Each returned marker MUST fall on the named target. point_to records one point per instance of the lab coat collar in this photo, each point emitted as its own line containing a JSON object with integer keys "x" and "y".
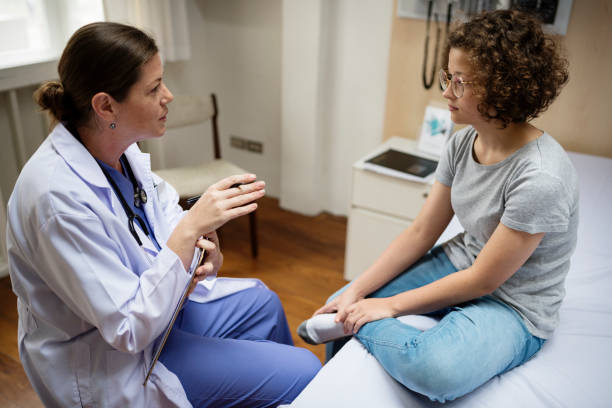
{"x": 77, "y": 157}
{"x": 84, "y": 164}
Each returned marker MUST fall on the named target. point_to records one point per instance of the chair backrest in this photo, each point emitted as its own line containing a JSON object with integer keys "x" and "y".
{"x": 187, "y": 110}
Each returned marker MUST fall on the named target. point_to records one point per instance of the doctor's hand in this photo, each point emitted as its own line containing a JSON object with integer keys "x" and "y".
{"x": 213, "y": 259}
{"x": 223, "y": 201}
{"x": 220, "y": 203}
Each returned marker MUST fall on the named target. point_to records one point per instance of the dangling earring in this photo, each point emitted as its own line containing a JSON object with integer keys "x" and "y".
{"x": 113, "y": 125}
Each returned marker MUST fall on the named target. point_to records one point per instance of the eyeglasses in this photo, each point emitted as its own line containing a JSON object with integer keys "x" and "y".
{"x": 457, "y": 84}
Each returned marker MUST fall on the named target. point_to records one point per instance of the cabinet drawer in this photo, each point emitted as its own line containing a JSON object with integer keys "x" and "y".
{"x": 368, "y": 235}
{"x": 390, "y": 195}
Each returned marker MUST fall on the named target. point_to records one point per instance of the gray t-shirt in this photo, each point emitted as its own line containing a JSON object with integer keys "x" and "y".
{"x": 533, "y": 190}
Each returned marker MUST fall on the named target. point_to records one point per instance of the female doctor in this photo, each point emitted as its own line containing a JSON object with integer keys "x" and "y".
{"x": 100, "y": 253}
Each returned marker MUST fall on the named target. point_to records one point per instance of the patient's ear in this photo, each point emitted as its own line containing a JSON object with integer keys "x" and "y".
{"x": 492, "y": 112}
{"x": 104, "y": 106}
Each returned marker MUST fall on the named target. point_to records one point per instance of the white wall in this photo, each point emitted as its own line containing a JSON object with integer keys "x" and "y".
{"x": 236, "y": 54}
{"x": 306, "y": 78}
{"x": 359, "y": 39}
{"x": 304, "y": 63}
{"x": 335, "y": 55}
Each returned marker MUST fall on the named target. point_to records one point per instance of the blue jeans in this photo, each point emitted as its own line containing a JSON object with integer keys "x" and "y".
{"x": 238, "y": 351}
{"x": 472, "y": 343}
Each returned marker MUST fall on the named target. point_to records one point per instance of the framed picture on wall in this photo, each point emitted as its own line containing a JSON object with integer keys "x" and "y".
{"x": 435, "y": 130}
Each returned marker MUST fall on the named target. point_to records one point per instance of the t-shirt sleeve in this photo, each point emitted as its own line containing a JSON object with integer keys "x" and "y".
{"x": 537, "y": 202}
{"x": 445, "y": 172}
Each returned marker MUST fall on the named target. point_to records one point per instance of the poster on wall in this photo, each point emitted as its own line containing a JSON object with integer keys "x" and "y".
{"x": 435, "y": 130}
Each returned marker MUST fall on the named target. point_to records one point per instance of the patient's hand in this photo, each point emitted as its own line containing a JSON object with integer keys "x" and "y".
{"x": 340, "y": 304}
{"x": 366, "y": 310}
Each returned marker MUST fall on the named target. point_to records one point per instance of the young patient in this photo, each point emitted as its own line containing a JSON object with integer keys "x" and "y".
{"x": 496, "y": 287}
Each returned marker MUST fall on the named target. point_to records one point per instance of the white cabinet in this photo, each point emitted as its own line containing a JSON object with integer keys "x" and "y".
{"x": 382, "y": 207}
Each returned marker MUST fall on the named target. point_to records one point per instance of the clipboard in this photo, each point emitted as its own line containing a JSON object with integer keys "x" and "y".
{"x": 178, "y": 308}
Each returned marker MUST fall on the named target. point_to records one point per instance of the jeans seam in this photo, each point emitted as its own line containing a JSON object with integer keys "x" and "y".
{"x": 377, "y": 342}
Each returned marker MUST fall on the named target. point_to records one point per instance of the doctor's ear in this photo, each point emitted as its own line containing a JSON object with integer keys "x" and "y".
{"x": 104, "y": 106}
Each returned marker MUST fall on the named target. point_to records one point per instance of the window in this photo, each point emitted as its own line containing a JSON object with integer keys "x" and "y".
{"x": 33, "y": 31}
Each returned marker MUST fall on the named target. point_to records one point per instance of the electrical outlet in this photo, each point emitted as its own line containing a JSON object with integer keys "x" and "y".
{"x": 238, "y": 142}
{"x": 245, "y": 144}
{"x": 255, "y": 147}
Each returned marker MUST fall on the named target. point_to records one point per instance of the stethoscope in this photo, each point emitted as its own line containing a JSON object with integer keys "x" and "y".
{"x": 140, "y": 198}
{"x": 427, "y": 83}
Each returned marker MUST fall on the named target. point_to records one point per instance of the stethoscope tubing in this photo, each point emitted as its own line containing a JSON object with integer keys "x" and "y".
{"x": 126, "y": 207}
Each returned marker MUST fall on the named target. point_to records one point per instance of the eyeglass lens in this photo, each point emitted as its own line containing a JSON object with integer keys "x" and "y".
{"x": 456, "y": 85}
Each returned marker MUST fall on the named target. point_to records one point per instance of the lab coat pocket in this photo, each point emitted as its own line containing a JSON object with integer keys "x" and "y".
{"x": 27, "y": 322}
{"x": 81, "y": 368}
{"x": 161, "y": 187}
{"x": 124, "y": 377}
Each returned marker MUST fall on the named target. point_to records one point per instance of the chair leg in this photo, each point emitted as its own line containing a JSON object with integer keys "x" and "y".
{"x": 253, "y": 228}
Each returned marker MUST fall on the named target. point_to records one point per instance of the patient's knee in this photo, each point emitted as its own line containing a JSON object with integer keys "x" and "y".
{"x": 438, "y": 378}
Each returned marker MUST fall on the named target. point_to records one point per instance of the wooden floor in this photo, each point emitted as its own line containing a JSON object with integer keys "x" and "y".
{"x": 300, "y": 258}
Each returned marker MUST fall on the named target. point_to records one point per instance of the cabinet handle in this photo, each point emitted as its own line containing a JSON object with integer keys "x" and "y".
{"x": 425, "y": 195}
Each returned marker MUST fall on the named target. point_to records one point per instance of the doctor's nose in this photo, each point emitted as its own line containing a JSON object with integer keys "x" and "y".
{"x": 168, "y": 97}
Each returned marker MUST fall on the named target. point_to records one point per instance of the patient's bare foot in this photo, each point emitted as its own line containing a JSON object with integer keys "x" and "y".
{"x": 320, "y": 329}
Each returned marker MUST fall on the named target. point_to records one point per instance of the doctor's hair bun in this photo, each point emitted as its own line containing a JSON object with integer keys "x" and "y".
{"x": 50, "y": 97}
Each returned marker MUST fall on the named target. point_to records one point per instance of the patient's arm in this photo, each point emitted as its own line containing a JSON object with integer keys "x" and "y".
{"x": 406, "y": 249}
{"x": 501, "y": 257}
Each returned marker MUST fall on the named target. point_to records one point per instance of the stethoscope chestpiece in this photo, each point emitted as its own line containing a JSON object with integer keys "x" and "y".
{"x": 140, "y": 196}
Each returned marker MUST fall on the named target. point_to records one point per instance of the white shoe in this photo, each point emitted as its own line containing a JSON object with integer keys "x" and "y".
{"x": 321, "y": 328}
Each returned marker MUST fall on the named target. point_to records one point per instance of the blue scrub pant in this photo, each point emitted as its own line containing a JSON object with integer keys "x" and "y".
{"x": 237, "y": 351}
{"x": 472, "y": 343}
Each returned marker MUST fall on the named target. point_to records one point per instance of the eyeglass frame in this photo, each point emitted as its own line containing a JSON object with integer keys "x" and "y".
{"x": 454, "y": 88}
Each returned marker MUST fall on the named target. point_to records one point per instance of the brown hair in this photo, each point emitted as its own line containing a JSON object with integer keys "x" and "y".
{"x": 99, "y": 57}
{"x": 518, "y": 69}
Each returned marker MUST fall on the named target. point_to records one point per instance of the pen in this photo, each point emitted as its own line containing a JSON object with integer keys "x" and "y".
{"x": 192, "y": 200}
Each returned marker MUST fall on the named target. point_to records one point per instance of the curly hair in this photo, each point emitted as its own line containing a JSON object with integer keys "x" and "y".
{"x": 518, "y": 69}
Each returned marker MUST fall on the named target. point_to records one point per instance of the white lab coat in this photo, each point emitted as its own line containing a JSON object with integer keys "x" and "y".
{"x": 90, "y": 302}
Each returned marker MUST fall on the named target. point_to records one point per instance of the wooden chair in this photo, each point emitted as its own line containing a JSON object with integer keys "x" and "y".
{"x": 190, "y": 181}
